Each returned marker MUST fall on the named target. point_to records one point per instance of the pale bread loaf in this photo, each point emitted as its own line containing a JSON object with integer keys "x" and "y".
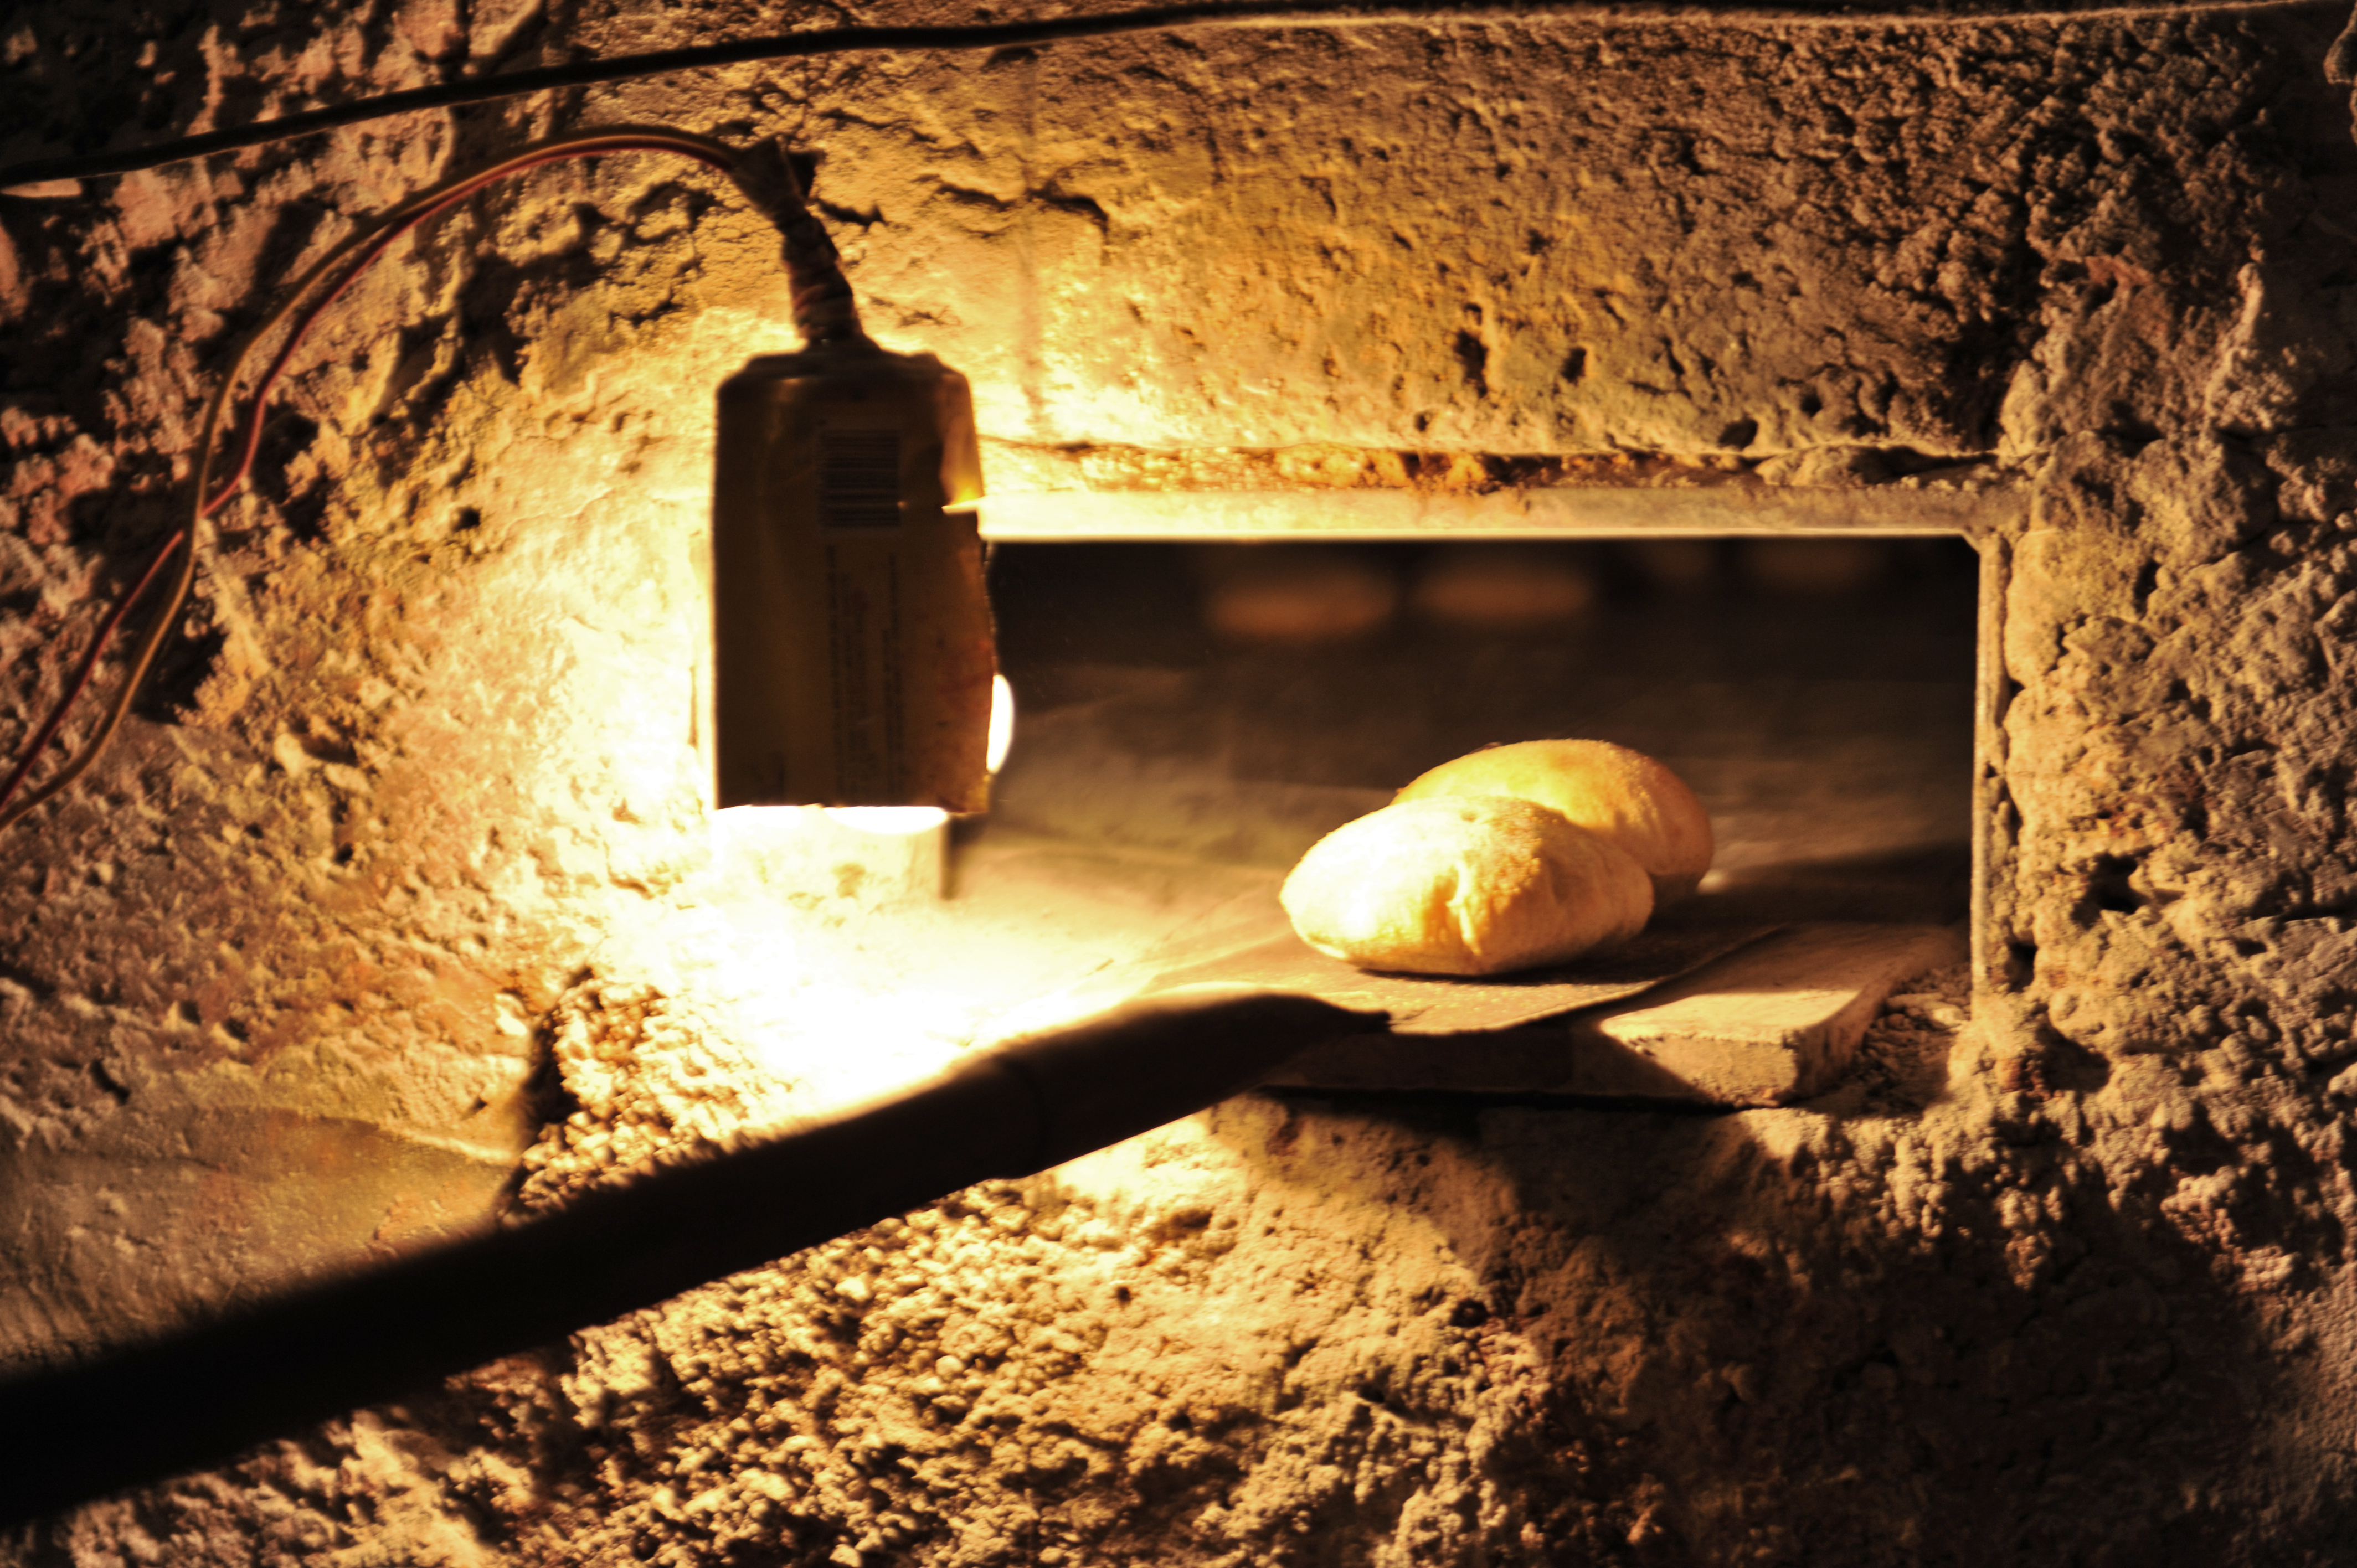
{"x": 1474, "y": 885}
{"x": 1623, "y": 795}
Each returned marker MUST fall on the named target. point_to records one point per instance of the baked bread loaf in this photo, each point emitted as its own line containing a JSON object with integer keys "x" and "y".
{"x": 1468, "y": 884}
{"x": 1623, "y": 795}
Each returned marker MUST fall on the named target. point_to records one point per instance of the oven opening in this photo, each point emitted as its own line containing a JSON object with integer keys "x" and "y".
{"x": 1193, "y": 711}
{"x": 1235, "y": 702}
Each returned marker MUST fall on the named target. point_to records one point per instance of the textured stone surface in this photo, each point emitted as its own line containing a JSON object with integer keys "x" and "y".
{"x": 419, "y": 795}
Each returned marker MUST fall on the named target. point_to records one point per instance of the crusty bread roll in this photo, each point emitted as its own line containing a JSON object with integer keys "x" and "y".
{"x": 1624, "y": 795}
{"x": 1472, "y": 885}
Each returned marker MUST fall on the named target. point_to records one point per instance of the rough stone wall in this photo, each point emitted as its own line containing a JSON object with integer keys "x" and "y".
{"x": 2063, "y": 1285}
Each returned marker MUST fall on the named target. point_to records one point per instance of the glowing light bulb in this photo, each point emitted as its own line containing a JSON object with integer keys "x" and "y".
{"x": 1002, "y": 723}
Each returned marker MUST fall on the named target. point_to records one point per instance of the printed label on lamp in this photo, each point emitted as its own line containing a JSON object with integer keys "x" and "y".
{"x": 858, "y": 478}
{"x": 864, "y": 663}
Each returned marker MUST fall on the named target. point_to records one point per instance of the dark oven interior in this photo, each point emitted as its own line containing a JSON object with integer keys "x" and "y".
{"x": 1232, "y": 702}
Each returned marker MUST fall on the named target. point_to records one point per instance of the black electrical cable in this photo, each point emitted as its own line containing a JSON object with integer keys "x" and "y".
{"x": 957, "y": 36}
{"x": 775, "y": 47}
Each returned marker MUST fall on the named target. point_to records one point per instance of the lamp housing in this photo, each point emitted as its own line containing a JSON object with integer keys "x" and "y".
{"x": 852, "y": 640}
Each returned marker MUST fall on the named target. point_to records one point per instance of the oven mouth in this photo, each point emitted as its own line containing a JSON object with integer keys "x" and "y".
{"x": 1231, "y": 702}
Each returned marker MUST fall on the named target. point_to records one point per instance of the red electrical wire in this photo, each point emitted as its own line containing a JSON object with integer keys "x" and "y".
{"x": 106, "y": 631}
{"x": 401, "y": 222}
{"x": 347, "y": 263}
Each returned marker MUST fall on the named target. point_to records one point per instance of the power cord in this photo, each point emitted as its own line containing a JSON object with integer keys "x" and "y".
{"x": 861, "y": 38}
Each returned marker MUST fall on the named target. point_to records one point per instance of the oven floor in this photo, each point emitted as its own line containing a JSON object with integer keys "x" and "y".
{"x": 1710, "y": 1007}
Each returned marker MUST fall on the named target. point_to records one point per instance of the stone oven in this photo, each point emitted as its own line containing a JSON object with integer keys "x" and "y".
{"x": 397, "y": 912}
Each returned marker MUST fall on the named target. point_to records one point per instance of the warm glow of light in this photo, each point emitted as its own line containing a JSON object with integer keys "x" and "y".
{"x": 742, "y": 830}
{"x": 1002, "y": 722}
{"x": 748, "y": 827}
{"x": 889, "y": 819}
{"x": 864, "y": 854}
{"x": 822, "y": 934}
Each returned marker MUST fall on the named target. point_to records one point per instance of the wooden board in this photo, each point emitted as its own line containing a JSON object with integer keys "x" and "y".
{"x": 1775, "y": 1022}
{"x": 1249, "y": 941}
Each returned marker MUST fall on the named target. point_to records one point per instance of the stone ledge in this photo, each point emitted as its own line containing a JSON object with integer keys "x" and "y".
{"x": 1732, "y": 507}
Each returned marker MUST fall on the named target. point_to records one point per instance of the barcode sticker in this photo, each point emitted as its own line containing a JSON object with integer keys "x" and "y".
{"x": 859, "y": 479}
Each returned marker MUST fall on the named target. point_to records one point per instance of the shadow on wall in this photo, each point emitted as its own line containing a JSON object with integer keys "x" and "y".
{"x": 1904, "y": 1324}
{"x": 1842, "y": 1333}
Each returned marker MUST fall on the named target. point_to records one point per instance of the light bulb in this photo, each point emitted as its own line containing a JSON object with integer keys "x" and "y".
{"x": 1002, "y": 723}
